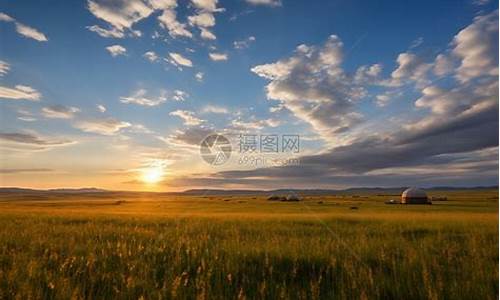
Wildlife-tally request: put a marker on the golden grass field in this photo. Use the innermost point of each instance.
(159, 246)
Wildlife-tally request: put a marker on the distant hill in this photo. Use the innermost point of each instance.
(360, 190)
(213, 192)
(61, 191)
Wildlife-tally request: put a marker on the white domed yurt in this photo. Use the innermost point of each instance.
(414, 195)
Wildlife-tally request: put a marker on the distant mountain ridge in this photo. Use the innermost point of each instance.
(62, 191)
(208, 192)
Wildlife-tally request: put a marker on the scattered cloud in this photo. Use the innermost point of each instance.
(477, 48)
(218, 56)
(151, 56)
(59, 112)
(168, 20)
(188, 117)
(101, 108)
(25, 115)
(204, 17)
(207, 34)
(20, 92)
(416, 42)
(107, 33)
(240, 125)
(443, 65)
(199, 76)
(214, 109)
(313, 86)
(139, 97)
(29, 141)
(272, 3)
(6, 18)
(4, 68)
(139, 128)
(24, 30)
(191, 136)
(120, 15)
(411, 67)
(107, 126)
(178, 59)
(243, 44)
(116, 50)
(25, 170)
(179, 95)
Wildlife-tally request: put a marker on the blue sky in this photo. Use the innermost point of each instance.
(73, 69)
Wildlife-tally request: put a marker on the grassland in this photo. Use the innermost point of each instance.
(146, 246)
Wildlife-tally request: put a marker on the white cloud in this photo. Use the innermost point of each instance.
(116, 50)
(207, 5)
(384, 99)
(207, 34)
(101, 108)
(241, 125)
(368, 74)
(107, 33)
(218, 56)
(179, 95)
(272, 3)
(168, 20)
(139, 97)
(178, 59)
(120, 14)
(411, 67)
(477, 48)
(214, 109)
(199, 76)
(6, 18)
(20, 92)
(30, 141)
(204, 19)
(151, 56)
(4, 68)
(417, 42)
(59, 112)
(243, 44)
(188, 117)
(443, 65)
(107, 126)
(30, 32)
(24, 30)
(25, 115)
(312, 85)
(139, 128)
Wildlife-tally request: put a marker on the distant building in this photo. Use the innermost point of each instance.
(414, 196)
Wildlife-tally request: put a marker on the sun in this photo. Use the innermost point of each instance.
(152, 174)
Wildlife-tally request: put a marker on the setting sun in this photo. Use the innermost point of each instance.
(152, 174)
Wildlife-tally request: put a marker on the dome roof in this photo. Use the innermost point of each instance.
(414, 192)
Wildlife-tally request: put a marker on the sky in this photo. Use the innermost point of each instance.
(120, 94)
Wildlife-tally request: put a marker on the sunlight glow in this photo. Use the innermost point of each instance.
(152, 174)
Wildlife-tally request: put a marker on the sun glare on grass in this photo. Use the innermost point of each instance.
(152, 174)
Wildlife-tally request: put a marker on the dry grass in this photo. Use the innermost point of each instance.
(204, 247)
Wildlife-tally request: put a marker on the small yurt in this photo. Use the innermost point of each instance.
(414, 195)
